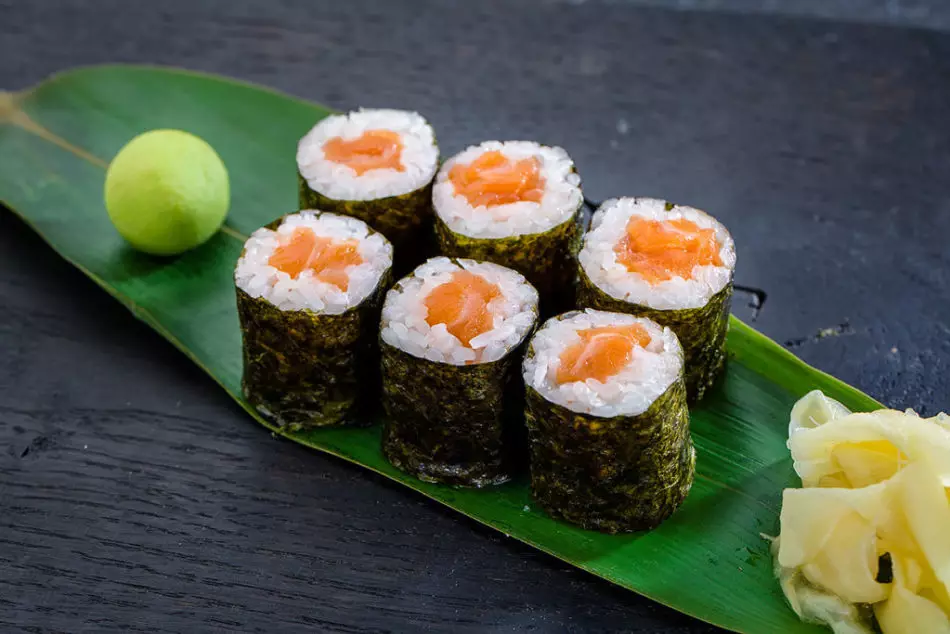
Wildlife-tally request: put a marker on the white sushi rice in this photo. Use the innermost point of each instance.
(562, 194)
(404, 322)
(609, 226)
(649, 373)
(420, 156)
(257, 278)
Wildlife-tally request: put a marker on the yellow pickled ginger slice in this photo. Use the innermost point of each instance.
(927, 512)
(907, 611)
(868, 462)
(831, 535)
(814, 410)
(866, 447)
(874, 484)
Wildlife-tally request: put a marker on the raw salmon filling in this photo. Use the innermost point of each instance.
(601, 353)
(601, 363)
(368, 155)
(326, 257)
(372, 150)
(661, 250)
(503, 189)
(462, 304)
(314, 261)
(647, 252)
(494, 179)
(459, 311)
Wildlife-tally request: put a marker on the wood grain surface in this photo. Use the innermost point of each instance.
(134, 496)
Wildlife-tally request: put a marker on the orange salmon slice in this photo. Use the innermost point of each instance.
(494, 179)
(661, 250)
(373, 150)
(601, 353)
(462, 305)
(326, 257)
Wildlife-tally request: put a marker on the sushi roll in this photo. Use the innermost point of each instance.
(607, 421)
(309, 294)
(518, 204)
(451, 335)
(670, 263)
(375, 165)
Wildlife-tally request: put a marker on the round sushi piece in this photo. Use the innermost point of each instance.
(671, 263)
(309, 294)
(516, 203)
(375, 165)
(451, 335)
(607, 420)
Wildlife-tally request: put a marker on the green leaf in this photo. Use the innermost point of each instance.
(709, 560)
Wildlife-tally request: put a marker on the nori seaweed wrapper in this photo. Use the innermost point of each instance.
(406, 220)
(619, 474)
(455, 424)
(303, 369)
(702, 331)
(547, 260)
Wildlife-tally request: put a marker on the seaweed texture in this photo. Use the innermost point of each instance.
(619, 474)
(702, 331)
(406, 220)
(455, 424)
(303, 369)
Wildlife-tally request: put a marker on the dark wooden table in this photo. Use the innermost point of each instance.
(134, 495)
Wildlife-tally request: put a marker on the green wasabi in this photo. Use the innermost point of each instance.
(167, 191)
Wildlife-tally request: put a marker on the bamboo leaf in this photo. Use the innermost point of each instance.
(709, 560)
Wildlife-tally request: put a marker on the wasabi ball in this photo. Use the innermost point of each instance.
(167, 191)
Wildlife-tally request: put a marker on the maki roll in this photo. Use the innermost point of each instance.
(451, 334)
(309, 294)
(375, 165)
(670, 263)
(607, 421)
(516, 203)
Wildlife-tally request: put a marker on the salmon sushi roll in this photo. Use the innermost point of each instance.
(607, 421)
(309, 295)
(671, 263)
(451, 337)
(516, 203)
(375, 165)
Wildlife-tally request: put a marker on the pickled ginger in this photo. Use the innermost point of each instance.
(865, 543)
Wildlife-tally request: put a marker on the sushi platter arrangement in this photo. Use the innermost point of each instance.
(566, 373)
(458, 351)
